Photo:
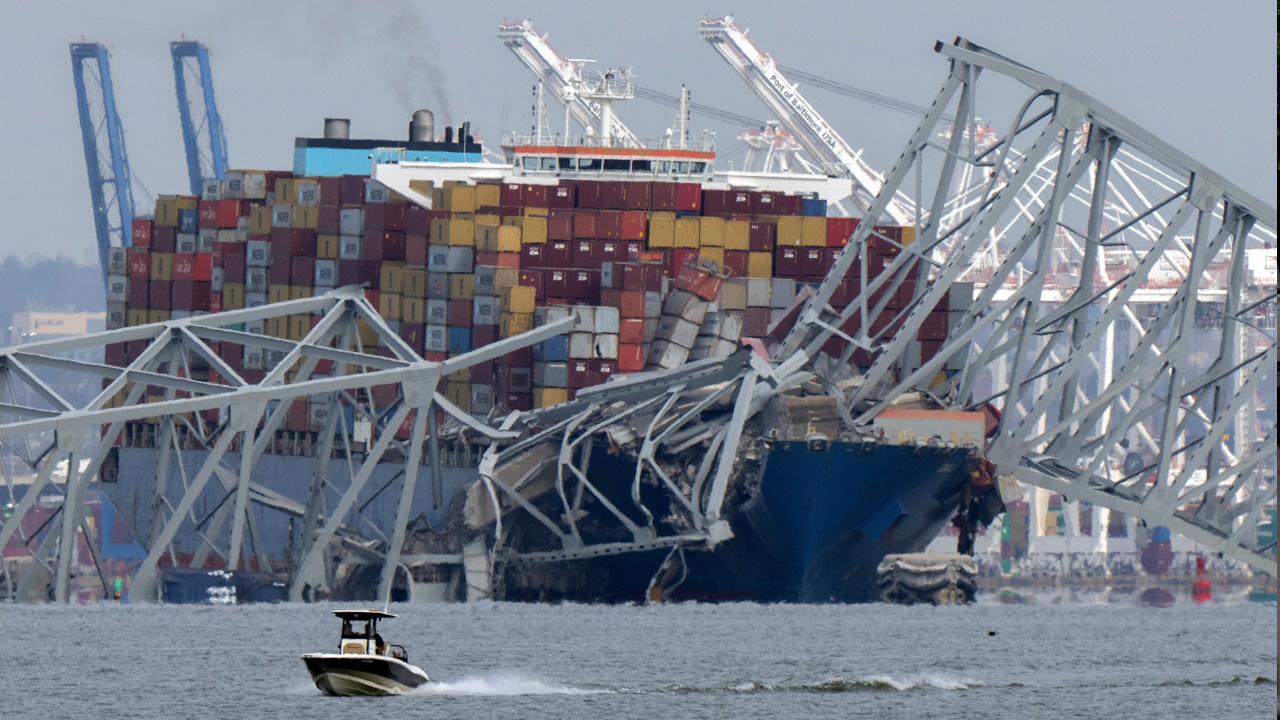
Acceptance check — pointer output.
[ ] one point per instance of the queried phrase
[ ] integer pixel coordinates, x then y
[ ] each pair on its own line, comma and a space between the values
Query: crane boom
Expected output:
206, 146
110, 187
814, 133
562, 74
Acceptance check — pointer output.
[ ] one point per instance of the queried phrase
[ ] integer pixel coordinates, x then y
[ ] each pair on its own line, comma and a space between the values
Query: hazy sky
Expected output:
1198, 74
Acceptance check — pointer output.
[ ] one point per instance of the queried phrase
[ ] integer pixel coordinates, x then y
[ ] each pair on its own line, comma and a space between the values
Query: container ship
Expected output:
663, 264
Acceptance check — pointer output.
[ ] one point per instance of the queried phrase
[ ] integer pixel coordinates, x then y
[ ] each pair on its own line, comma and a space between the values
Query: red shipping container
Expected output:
755, 322
280, 272
187, 295
233, 268
415, 250
331, 190
414, 334
328, 220
663, 196
518, 401
560, 227
562, 196
139, 264
609, 250
558, 255
633, 225
508, 260
760, 237
382, 245
460, 313
534, 256
182, 264
602, 370
688, 197
138, 295
630, 357
483, 373
590, 194
735, 261
482, 335
512, 195
614, 195
631, 330
786, 262
207, 213
385, 216
680, 258
585, 285
813, 261
631, 304
417, 220
142, 229
215, 302
580, 374
303, 271
934, 327
535, 279
839, 230
556, 283
114, 354
738, 202
639, 195
536, 196
164, 239
764, 202
609, 224
585, 225
351, 190
585, 253
368, 271
714, 202
630, 250
288, 242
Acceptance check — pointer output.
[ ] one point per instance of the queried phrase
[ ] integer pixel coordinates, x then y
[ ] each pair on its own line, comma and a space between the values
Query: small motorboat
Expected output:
364, 663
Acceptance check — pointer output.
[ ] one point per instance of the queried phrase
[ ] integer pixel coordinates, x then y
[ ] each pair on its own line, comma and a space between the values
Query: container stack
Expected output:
656, 273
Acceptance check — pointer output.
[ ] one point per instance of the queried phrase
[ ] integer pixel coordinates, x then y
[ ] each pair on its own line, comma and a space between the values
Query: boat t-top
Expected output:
365, 664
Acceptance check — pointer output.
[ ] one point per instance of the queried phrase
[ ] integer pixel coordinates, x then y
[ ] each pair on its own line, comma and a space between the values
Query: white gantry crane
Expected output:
565, 77
815, 134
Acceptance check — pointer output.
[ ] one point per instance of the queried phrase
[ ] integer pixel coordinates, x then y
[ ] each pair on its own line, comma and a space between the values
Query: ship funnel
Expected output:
448, 134
337, 128
422, 128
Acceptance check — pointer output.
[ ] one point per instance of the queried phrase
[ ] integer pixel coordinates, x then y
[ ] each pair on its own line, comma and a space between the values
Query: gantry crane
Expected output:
110, 187
565, 76
818, 137
206, 145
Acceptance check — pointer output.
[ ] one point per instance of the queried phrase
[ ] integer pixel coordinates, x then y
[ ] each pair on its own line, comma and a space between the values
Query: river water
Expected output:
1086, 656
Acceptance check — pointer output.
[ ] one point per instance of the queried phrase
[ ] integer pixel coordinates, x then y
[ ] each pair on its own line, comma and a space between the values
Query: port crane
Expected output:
110, 186
202, 135
1053, 432
809, 128
565, 77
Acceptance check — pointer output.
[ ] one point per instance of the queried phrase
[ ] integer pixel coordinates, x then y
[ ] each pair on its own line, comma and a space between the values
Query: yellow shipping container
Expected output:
328, 246
462, 286
439, 232
488, 195
299, 326
389, 306
137, 317
278, 327
259, 220
306, 216
536, 212
505, 277
662, 215
161, 266
459, 394
424, 188
511, 324
413, 310
286, 191
460, 198
715, 254
277, 293
487, 219
461, 232
534, 230
760, 264
908, 235
737, 235
710, 232
813, 232
391, 277
368, 340
509, 238
518, 298
299, 292
459, 376
486, 238
415, 282
232, 296
791, 232
514, 220
546, 397
166, 211
662, 231
686, 233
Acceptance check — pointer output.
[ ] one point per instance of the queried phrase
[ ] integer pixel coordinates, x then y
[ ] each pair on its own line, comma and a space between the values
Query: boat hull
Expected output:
362, 675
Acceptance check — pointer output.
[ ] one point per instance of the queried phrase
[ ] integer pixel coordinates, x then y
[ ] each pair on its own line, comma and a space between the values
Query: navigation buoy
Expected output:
1201, 589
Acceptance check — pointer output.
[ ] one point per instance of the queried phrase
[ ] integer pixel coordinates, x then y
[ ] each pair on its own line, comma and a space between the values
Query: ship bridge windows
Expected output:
566, 163
592, 164
537, 164
680, 168
643, 166
662, 166
615, 165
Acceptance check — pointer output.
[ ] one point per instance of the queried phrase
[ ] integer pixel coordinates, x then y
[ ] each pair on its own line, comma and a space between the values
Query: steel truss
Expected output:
360, 352
1041, 352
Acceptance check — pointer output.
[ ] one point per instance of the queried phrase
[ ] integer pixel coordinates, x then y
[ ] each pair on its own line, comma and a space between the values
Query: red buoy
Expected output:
1201, 589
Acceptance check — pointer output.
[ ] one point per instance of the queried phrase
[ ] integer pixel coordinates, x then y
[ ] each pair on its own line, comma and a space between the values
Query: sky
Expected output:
1199, 75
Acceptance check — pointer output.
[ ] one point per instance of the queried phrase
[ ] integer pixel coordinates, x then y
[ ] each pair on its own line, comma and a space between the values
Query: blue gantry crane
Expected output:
202, 135
110, 187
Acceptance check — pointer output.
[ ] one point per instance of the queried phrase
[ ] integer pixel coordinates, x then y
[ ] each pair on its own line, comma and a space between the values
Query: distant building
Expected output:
30, 327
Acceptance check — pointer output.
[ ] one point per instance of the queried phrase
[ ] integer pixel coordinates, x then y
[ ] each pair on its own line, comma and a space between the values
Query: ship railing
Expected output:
511, 139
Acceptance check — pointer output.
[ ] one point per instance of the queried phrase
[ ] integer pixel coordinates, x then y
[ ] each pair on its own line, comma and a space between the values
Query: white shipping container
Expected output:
256, 298
555, 374
308, 193
667, 355
257, 253
205, 240
652, 303
585, 315
282, 216
650, 329
484, 280
555, 314
759, 292
481, 399
186, 243
437, 312
484, 310
606, 346
375, 192
582, 346
348, 247
731, 328
722, 348
459, 260
784, 291
242, 229
255, 281
608, 320
233, 185
711, 324
117, 261
686, 306
438, 258
351, 221
209, 190
252, 358
254, 186
117, 288
606, 275
326, 272
254, 327
117, 315
215, 280
701, 347
228, 235
437, 339
180, 314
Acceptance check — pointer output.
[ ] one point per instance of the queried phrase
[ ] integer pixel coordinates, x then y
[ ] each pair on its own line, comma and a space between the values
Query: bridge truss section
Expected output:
1169, 347
176, 382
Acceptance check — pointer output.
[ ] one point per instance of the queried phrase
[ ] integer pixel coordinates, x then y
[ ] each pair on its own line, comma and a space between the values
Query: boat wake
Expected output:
504, 684
865, 683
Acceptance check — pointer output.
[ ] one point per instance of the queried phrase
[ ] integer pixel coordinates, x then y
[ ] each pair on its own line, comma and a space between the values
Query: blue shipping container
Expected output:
814, 208
459, 340
188, 220
554, 349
